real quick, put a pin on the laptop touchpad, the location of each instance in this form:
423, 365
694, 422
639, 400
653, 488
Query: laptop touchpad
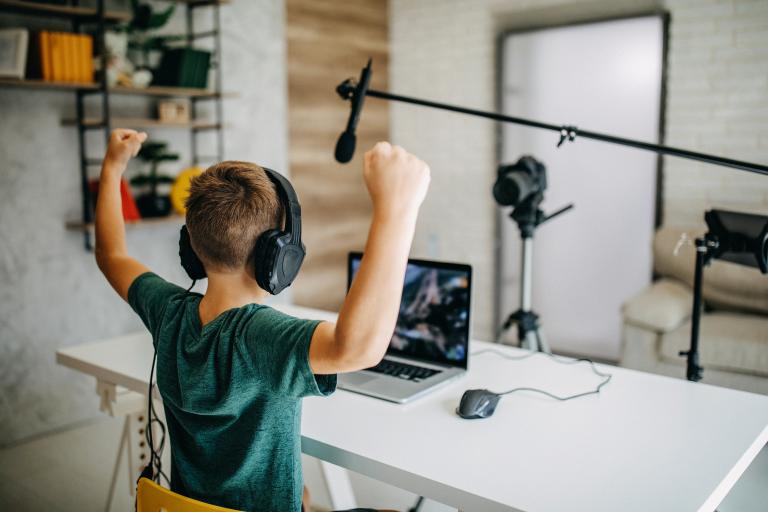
357, 379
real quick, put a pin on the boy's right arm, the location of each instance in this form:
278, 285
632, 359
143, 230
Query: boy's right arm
397, 183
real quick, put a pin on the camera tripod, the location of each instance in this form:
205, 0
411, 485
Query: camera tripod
528, 217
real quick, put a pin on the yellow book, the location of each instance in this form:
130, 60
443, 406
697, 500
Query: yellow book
79, 58
74, 57
88, 52
54, 41
45, 55
70, 58
66, 73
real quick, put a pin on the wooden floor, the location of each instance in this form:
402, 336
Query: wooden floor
329, 41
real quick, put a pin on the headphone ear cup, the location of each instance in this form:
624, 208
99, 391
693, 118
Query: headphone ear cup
288, 262
189, 260
264, 258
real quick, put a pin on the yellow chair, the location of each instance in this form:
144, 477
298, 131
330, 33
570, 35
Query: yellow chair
151, 497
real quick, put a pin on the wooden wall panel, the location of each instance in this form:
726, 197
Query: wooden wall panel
328, 41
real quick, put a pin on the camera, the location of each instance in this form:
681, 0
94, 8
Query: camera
521, 184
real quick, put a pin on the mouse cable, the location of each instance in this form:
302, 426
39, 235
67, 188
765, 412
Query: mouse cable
605, 376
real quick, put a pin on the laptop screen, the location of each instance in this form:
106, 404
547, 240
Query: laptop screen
433, 324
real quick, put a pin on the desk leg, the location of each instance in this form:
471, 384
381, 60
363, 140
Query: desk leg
119, 459
121, 402
338, 485
132, 442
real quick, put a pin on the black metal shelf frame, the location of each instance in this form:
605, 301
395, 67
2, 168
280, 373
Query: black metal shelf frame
106, 124
216, 66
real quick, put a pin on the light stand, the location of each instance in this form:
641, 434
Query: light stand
703, 257
736, 237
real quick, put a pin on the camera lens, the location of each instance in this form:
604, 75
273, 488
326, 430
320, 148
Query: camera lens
513, 188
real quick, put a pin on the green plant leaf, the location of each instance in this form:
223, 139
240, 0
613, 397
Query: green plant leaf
140, 180
145, 18
167, 157
156, 152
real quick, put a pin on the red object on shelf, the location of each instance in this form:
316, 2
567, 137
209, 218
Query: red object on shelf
130, 212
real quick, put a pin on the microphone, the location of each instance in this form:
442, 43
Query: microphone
348, 90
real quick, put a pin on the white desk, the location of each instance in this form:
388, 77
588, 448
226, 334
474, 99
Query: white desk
645, 443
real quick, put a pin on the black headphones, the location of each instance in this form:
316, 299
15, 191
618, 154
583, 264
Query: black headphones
278, 253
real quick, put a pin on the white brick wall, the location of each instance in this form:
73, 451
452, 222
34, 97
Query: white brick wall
51, 292
717, 102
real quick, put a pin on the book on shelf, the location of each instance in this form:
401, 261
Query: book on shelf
61, 57
57, 56
67, 68
87, 51
45, 55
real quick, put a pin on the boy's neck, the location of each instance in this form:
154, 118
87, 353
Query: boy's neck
227, 290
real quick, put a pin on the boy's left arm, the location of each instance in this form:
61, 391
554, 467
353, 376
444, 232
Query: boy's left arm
111, 251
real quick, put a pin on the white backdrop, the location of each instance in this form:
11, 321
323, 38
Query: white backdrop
604, 77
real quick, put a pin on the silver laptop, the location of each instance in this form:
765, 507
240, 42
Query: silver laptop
430, 345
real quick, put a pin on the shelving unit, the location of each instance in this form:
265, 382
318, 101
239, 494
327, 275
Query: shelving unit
82, 16
135, 122
42, 84
166, 91
169, 92
62, 11
130, 224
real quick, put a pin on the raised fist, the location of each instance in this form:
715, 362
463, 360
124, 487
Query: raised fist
397, 180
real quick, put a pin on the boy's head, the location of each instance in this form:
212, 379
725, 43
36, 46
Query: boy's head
228, 207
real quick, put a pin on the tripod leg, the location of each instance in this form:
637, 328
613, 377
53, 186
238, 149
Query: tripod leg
542, 342
529, 341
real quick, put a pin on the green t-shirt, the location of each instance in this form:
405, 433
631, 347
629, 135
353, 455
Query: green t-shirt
232, 394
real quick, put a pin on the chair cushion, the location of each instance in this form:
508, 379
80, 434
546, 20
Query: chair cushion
727, 286
662, 307
727, 341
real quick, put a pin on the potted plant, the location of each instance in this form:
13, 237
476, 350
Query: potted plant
154, 202
145, 49
163, 60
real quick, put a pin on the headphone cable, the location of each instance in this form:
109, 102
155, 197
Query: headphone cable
155, 457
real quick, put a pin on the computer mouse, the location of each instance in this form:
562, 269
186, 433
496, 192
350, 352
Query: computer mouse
477, 403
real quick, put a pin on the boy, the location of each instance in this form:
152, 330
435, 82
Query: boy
232, 371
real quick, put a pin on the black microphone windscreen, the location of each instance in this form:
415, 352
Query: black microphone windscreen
345, 147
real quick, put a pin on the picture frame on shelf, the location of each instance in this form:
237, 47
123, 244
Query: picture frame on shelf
14, 43
174, 111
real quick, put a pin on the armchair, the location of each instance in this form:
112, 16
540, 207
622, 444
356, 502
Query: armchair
734, 325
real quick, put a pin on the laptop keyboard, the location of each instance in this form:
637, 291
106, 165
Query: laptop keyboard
403, 371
